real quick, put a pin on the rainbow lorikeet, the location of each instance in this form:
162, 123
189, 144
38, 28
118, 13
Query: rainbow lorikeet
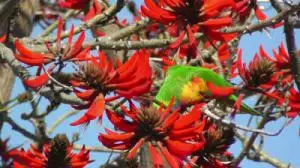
190, 85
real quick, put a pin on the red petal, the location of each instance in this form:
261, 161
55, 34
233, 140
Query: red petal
156, 158
220, 92
96, 110
132, 152
183, 149
119, 122
37, 81
188, 119
169, 157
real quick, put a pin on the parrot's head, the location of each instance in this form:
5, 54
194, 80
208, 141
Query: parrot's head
194, 91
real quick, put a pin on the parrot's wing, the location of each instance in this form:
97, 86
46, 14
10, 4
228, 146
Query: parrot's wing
176, 78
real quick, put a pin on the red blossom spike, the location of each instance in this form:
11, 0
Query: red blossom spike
24, 52
169, 157
259, 14
168, 109
171, 119
188, 132
156, 158
70, 38
37, 82
120, 122
3, 38
217, 23
96, 110
188, 119
178, 41
86, 95
220, 92
237, 105
109, 144
132, 152
125, 137
183, 149
223, 52
76, 47
31, 61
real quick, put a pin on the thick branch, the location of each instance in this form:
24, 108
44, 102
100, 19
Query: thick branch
292, 50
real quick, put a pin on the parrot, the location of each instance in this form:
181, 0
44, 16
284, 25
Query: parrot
189, 85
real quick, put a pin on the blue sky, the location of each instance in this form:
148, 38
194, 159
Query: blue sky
284, 147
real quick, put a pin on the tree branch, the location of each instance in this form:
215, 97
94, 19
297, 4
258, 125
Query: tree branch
292, 50
263, 156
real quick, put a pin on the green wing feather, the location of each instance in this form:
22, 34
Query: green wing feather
179, 75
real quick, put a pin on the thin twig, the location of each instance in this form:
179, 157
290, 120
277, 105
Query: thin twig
21, 130
254, 135
207, 110
95, 148
60, 120
263, 156
261, 25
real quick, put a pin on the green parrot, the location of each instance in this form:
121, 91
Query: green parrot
189, 85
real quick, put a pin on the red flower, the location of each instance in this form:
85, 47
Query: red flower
72, 52
292, 103
215, 154
73, 4
176, 136
57, 154
244, 8
264, 71
94, 10
187, 17
97, 79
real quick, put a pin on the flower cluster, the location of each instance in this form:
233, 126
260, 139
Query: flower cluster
168, 133
71, 53
188, 17
264, 71
56, 154
96, 79
267, 73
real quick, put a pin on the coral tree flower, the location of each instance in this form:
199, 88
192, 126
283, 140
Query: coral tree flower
56, 154
187, 17
265, 71
97, 78
73, 4
71, 53
214, 153
291, 102
176, 136
94, 10
244, 8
